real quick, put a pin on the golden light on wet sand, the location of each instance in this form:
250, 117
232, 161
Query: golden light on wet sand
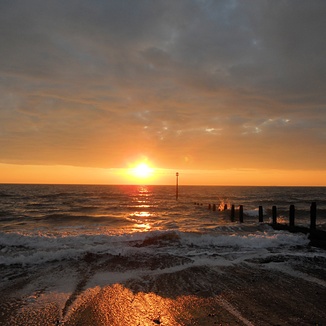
118, 305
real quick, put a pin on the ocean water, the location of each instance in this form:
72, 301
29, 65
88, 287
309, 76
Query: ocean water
40, 223
62, 244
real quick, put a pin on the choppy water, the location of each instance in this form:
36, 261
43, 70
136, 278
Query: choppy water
48, 222
126, 209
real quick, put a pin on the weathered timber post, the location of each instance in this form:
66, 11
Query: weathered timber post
292, 213
241, 213
274, 215
225, 207
261, 217
177, 186
214, 207
209, 206
313, 215
232, 213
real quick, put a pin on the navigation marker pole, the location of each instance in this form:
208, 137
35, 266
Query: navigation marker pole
177, 186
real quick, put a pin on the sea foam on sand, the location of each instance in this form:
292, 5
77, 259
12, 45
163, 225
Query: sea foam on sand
235, 274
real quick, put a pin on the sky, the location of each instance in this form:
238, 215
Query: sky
224, 92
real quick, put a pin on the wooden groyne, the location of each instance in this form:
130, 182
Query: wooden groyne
317, 237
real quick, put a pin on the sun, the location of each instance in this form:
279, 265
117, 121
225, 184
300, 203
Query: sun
142, 171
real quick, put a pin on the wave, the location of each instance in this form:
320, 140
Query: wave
4, 194
17, 248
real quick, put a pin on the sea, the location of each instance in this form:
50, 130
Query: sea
46, 228
41, 223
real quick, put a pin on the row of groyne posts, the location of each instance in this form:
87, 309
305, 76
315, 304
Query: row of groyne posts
313, 214
317, 237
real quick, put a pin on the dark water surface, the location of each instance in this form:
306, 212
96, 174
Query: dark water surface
126, 209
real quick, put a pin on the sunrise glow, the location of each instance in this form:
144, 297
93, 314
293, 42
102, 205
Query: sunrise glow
141, 170
151, 96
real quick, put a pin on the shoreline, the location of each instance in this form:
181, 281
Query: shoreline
277, 289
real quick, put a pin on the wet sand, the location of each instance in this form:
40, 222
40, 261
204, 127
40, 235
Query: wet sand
167, 290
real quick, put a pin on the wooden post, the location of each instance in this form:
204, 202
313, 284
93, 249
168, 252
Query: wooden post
292, 214
209, 206
261, 217
274, 215
225, 207
241, 213
177, 186
214, 207
313, 215
232, 213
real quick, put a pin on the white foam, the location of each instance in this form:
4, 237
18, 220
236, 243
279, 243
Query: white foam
251, 240
36, 249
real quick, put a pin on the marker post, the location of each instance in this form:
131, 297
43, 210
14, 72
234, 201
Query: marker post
177, 186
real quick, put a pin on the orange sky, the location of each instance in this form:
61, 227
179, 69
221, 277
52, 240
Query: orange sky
224, 92
79, 175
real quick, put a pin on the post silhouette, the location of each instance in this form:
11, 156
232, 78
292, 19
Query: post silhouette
177, 186
232, 213
274, 214
292, 213
261, 214
241, 213
313, 215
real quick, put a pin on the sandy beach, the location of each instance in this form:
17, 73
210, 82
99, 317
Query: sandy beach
169, 290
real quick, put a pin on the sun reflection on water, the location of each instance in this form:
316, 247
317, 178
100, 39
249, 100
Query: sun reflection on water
142, 227
141, 216
141, 222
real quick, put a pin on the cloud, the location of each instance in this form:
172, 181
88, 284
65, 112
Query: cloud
197, 84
